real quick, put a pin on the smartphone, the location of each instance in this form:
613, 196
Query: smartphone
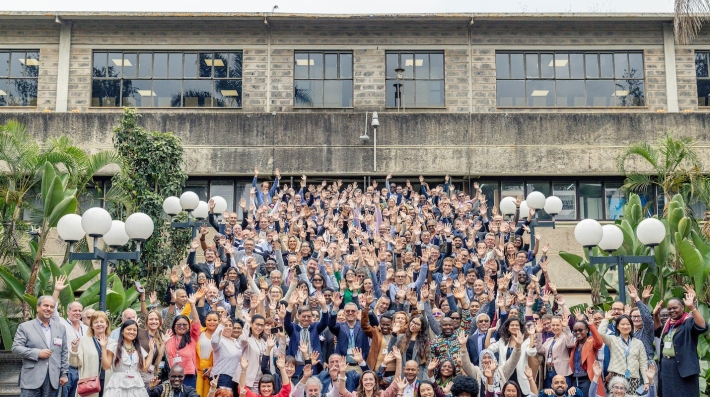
276, 330
139, 287
298, 270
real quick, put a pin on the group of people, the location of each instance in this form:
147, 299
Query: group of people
343, 291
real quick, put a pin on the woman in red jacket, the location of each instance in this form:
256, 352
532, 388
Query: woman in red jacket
582, 357
266, 382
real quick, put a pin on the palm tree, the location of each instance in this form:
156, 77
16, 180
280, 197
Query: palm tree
689, 18
674, 166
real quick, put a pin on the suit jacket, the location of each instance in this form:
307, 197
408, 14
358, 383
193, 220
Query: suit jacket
314, 331
29, 340
200, 267
685, 343
342, 335
239, 258
327, 345
376, 339
472, 347
560, 350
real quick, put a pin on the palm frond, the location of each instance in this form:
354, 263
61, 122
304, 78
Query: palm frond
641, 149
637, 183
689, 18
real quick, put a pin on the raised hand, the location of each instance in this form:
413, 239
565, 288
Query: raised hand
153, 298
528, 372
433, 364
281, 362
315, 357
461, 336
307, 372
633, 293
244, 362
303, 348
651, 371
597, 369
60, 283
401, 383
396, 353
357, 355
519, 338
647, 292
689, 298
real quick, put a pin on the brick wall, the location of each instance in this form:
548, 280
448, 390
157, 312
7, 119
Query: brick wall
281, 80
685, 70
654, 62
369, 79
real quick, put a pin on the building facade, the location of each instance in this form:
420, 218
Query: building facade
516, 103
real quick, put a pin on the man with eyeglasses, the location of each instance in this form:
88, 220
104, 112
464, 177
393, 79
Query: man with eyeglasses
306, 331
349, 334
173, 387
476, 342
400, 278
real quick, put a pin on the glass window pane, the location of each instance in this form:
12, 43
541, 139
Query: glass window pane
303, 94
137, 93
228, 93
32, 64
23, 92
510, 92
629, 93
636, 65
599, 93
4, 64
701, 64
145, 65
220, 63
436, 66
606, 65
590, 200
197, 93
130, 65
615, 200
561, 66
517, 66
317, 89
591, 64
421, 66
190, 65
315, 66
301, 66
532, 67
392, 61
540, 92
4, 89
17, 64
432, 92
408, 65
197, 186
115, 61
331, 66
621, 65
175, 65
333, 93
346, 66
105, 93
703, 92
566, 191
235, 65
547, 70
512, 189
408, 94
99, 64
160, 65
576, 66
167, 93
570, 93
502, 66
205, 64
347, 93
225, 189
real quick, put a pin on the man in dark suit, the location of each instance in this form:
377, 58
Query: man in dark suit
208, 267
349, 333
42, 343
305, 331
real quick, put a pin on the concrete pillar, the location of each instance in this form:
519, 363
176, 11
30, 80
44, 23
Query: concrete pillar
63, 66
671, 78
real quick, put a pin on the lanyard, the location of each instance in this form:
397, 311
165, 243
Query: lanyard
79, 333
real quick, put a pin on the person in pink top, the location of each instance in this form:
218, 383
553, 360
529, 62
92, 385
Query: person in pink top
266, 382
181, 347
369, 384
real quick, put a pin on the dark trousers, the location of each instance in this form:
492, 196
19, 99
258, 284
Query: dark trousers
69, 390
226, 381
190, 380
46, 390
582, 383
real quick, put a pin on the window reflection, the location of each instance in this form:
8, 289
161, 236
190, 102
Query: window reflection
566, 191
702, 77
323, 79
158, 79
590, 201
423, 82
18, 77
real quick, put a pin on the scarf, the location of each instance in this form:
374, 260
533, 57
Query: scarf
168, 390
673, 323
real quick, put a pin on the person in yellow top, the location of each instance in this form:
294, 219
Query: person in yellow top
204, 354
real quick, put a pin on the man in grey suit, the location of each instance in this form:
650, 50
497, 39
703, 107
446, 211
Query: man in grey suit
42, 343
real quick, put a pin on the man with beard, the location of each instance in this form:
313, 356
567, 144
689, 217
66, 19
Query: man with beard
207, 268
173, 387
381, 338
446, 346
559, 388
349, 333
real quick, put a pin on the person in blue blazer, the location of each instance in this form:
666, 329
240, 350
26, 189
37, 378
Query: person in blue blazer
305, 331
349, 333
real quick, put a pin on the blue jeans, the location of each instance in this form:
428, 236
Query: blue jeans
69, 390
190, 380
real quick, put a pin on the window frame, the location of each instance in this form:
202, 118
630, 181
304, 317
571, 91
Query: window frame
323, 79
525, 79
699, 79
414, 79
9, 77
238, 81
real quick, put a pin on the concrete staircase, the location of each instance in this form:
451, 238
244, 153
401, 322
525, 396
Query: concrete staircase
10, 365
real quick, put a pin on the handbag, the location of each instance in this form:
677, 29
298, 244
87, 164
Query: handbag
88, 386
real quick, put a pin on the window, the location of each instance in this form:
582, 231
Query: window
570, 79
323, 79
420, 84
167, 79
703, 80
18, 77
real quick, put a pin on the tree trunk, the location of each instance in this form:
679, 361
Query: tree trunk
35, 270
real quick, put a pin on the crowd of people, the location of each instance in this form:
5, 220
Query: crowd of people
344, 291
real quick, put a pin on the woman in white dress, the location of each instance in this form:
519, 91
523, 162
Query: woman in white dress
128, 360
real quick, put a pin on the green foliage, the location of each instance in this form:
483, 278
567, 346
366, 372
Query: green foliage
151, 168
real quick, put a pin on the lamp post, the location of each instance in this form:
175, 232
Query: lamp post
197, 211
589, 233
535, 200
399, 87
365, 138
97, 223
